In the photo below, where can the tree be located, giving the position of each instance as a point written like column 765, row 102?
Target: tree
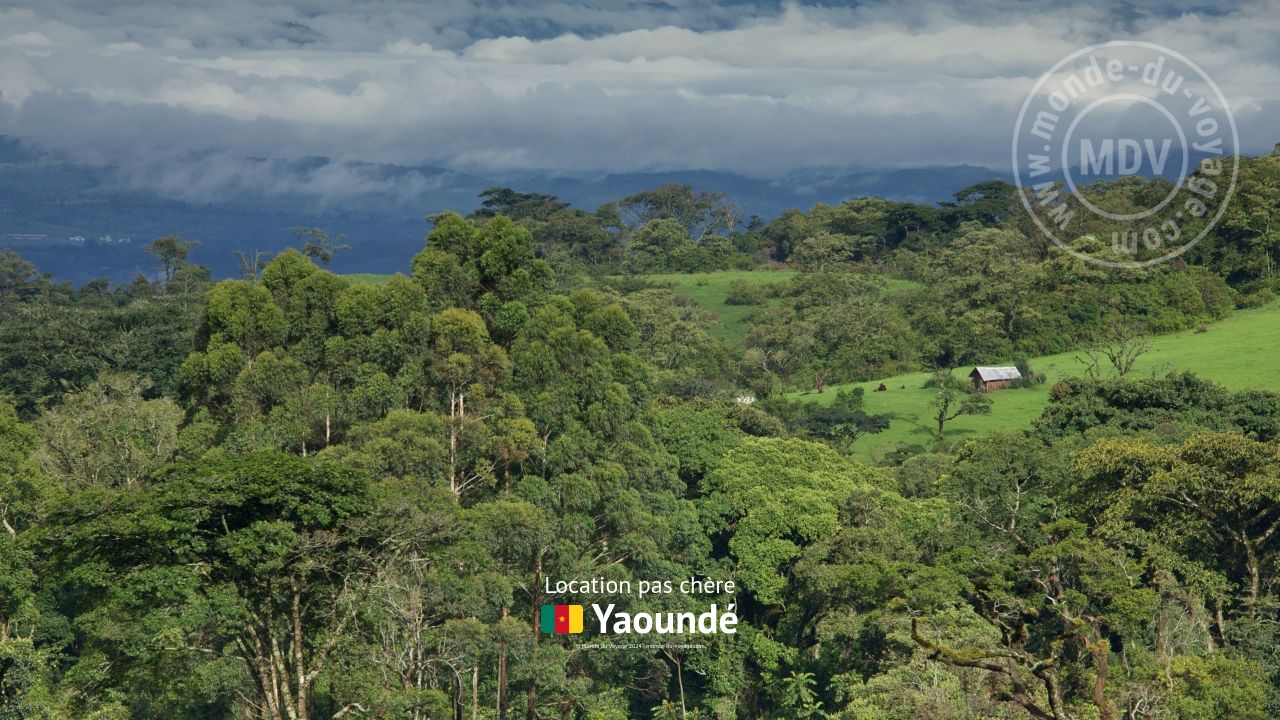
column 108, row 435
column 464, row 264
column 844, row 421
column 318, row 244
column 1212, row 498
column 951, row 402
column 1056, row 597
column 656, row 244
column 752, row 495
column 19, row 279
column 825, row 251
column 517, row 205
column 257, row 562
column 1179, row 400
column 251, row 263
column 244, row 313
column 466, row 363
column 698, row 212
column 24, row 669
column 1247, row 243
column 1056, row 610
column 23, row 492
column 52, row 343
column 987, row 202
column 171, row 251
column 577, row 234
column 839, row 423
column 1122, row 342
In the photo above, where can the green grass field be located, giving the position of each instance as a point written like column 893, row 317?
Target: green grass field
column 1242, row 351
column 709, row 290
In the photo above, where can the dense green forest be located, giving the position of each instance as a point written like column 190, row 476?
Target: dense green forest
column 297, row 495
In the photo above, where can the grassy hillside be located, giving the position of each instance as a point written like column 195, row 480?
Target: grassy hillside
column 1238, row 352
column 709, row 290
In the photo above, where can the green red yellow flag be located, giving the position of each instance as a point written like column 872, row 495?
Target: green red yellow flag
column 561, row 619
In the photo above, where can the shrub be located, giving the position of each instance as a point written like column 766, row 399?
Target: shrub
column 1030, row 378
column 743, row 293
column 1255, row 299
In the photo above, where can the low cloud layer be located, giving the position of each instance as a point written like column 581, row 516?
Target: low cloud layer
column 755, row 88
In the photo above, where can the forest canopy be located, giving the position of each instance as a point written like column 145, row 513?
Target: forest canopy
column 295, row 494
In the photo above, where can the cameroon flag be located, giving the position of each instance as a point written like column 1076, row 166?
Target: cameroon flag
column 561, row 619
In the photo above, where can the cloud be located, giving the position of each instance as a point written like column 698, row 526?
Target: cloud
column 757, row 88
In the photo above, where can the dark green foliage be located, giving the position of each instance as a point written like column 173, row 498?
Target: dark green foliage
column 220, row 553
column 517, row 205
column 1181, row 400
column 742, row 292
column 840, row 423
column 349, row 498
column 58, row 339
column 1030, row 378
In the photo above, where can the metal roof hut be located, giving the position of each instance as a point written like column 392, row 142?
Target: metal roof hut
column 986, row 379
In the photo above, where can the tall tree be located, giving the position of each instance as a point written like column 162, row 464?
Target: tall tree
column 319, row 245
column 698, row 212
column 954, row 400
column 171, row 251
column 108, row 435
column 256, row 562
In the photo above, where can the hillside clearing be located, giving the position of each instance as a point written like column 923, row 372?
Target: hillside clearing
column 709, row 290
column 1238, row 352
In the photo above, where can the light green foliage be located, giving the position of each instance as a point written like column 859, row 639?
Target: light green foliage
column 23, row 493
column 465, row 264
column 244, row 313
column 777, row 496
column 952, row 402
column 1207, row 688
column 404, row 444
column 24, row 692
column 1212, row 496
column 657, row 244
column 21, row 486
column 108, row 435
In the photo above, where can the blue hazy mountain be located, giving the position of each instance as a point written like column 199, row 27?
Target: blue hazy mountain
column 81, row 221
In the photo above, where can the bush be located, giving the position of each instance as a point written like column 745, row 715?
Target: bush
column 1030, row 378
column 743, row 293
column 1256, row 299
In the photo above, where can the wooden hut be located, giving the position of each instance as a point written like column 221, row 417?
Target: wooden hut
column 986, row 379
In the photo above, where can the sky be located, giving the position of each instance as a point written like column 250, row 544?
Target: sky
column 758, row 88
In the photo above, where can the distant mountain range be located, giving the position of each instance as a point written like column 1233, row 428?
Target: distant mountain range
column 82, row 221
